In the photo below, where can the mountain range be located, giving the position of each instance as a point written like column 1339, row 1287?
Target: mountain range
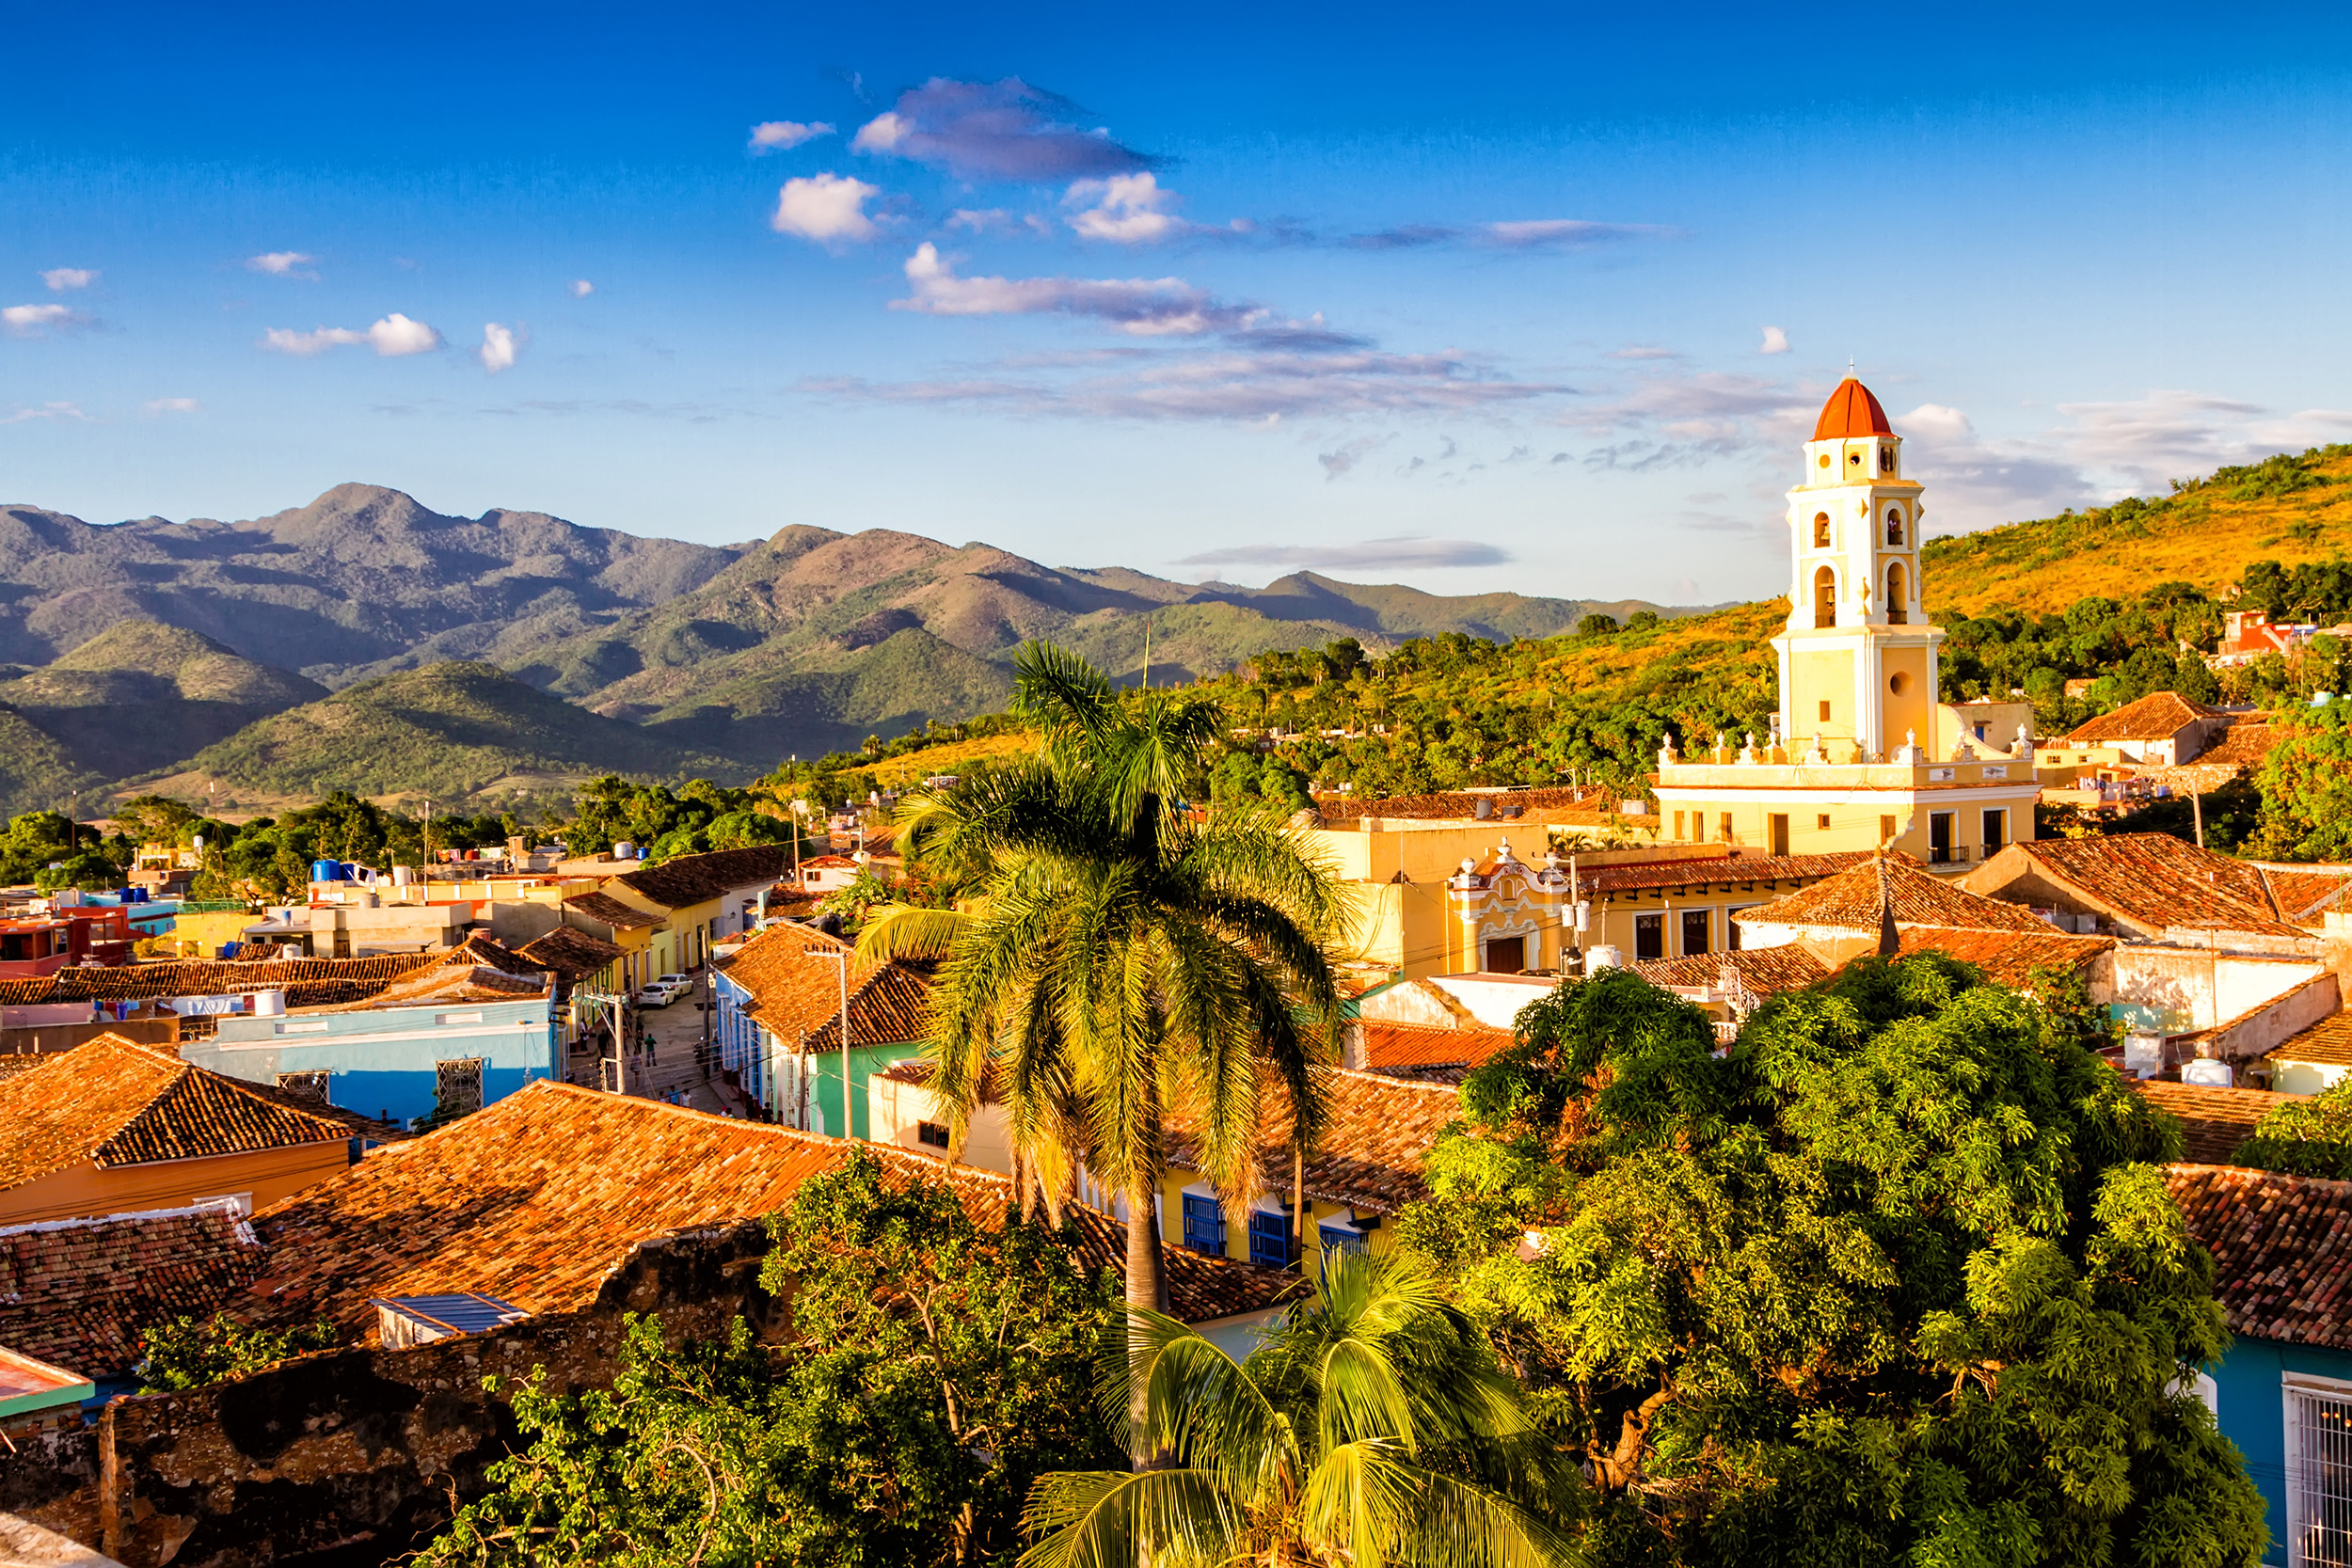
column 366, row 642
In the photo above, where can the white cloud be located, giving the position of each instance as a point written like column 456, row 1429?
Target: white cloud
column 1347, row 456
column 1125, row 209
column 1527, row 232
column 1146, row 307
column 392, row 338
column 24, row 415
column 26, row 321
column 1776, row 341
column 172, row 406
column 884, row 133
column 396, row 335
column 282, row 263
column 996, row 220
column 1404, row 552
column 285, row 340
column 1937, row 421
column 497, row 351
column 825, row 207
column 1259, row 388
column 61, row 278
column 775, row 135
column 582, row 287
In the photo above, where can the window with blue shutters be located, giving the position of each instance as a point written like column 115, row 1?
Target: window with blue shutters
column 1270, row 1240
column 1339, row 1237
column 1204, row 1223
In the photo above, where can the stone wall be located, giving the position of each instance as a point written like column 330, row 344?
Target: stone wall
column 361, row 1454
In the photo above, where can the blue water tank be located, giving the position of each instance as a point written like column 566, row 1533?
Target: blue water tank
column 135, row 895
column 326, row 871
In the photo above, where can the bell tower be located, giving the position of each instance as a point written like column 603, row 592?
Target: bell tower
column 1858, row 661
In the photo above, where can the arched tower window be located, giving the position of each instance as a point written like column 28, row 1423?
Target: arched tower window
column 1820, row 530
column 1824, row 597
column 1894, row 526
column 1887, row 460
column 1896, row 597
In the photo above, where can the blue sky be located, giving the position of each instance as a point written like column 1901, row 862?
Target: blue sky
column 1539, row 299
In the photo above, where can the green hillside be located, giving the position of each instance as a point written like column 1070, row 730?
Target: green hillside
column 36, row 772
column 451, row 730
column 142, row 695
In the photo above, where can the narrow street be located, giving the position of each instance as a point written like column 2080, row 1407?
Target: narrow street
column 672, row 1070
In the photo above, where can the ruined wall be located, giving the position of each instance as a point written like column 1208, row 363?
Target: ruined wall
column 366, row 1451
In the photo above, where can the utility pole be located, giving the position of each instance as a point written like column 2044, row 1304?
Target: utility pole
column 848, row 1116
column 2197, row 810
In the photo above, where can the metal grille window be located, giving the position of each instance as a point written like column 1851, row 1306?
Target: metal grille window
column 304, row 1086
column 930, row 1135
column 2319, row 1474
column 1270, row 1240
column 1204, row 1223
column 1339, row 1237
column 457, row 1087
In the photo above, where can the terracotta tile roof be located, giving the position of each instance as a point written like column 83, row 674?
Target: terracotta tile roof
column 80, row 1292
column 795, row 985
column 688, row 880
column 828, row 863
column 2302, row 892
column 570, row 952
column 1395, row 1048
column 486, row 951
column 1851, row 901
column 1704, row 870
column 2281, row 1249
column 1525, row 805
column 1368, row 1156
column 2158, row 716
column 452, row 982
column 2158, row 881
column 19, row 1061
column 1763, row 971
column 133, row 982
column 2327, row 1043
column 2213, row 1121
column 2007, row 958
column 2242, row 745
column 605, row 909
column 118, row 1103
column 538, row 1198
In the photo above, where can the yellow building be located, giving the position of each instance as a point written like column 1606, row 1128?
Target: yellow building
column 1864, row 752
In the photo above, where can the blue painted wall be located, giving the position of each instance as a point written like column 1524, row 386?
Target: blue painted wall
column 2253, row 1414
column 380, row 1062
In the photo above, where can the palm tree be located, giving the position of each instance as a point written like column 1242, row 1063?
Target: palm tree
column 1374, row 1428
column 1112, row 956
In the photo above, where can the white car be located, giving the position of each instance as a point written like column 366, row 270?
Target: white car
column 682, row 984
column 655, row 995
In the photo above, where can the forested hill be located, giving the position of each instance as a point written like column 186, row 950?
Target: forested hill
column 2295, row 510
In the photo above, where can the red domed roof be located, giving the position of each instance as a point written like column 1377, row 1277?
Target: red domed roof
column 1850, row 411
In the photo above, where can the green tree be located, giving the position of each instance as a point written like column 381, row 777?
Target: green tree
column 1374, row 1426
column 190, row 1352
column 936, row 1370
column 2306, row 784
column 1894, row 1279
column 1114, row 953
column 2305, row 1136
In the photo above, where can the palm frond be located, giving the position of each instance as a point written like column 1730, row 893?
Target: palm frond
column 907, row 931
column 1105, row 1519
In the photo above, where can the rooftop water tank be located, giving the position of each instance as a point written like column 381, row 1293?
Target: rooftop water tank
column 624, row 850
column 1598, row 958
column 326, row 871
column 269, row 1004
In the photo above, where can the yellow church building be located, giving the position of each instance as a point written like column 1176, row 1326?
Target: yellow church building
column 1864, row 752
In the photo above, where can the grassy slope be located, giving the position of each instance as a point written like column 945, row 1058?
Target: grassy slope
column 36, row 772
column 452, row 729
column 2207, row 534
column 142, row 695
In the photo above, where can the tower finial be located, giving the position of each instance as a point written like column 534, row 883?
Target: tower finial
column 1850, row 365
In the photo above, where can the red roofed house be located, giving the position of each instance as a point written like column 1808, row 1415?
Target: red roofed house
column 112, row 1126
column 2281, row 1249
column 823, row 873
column 779, row 1024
